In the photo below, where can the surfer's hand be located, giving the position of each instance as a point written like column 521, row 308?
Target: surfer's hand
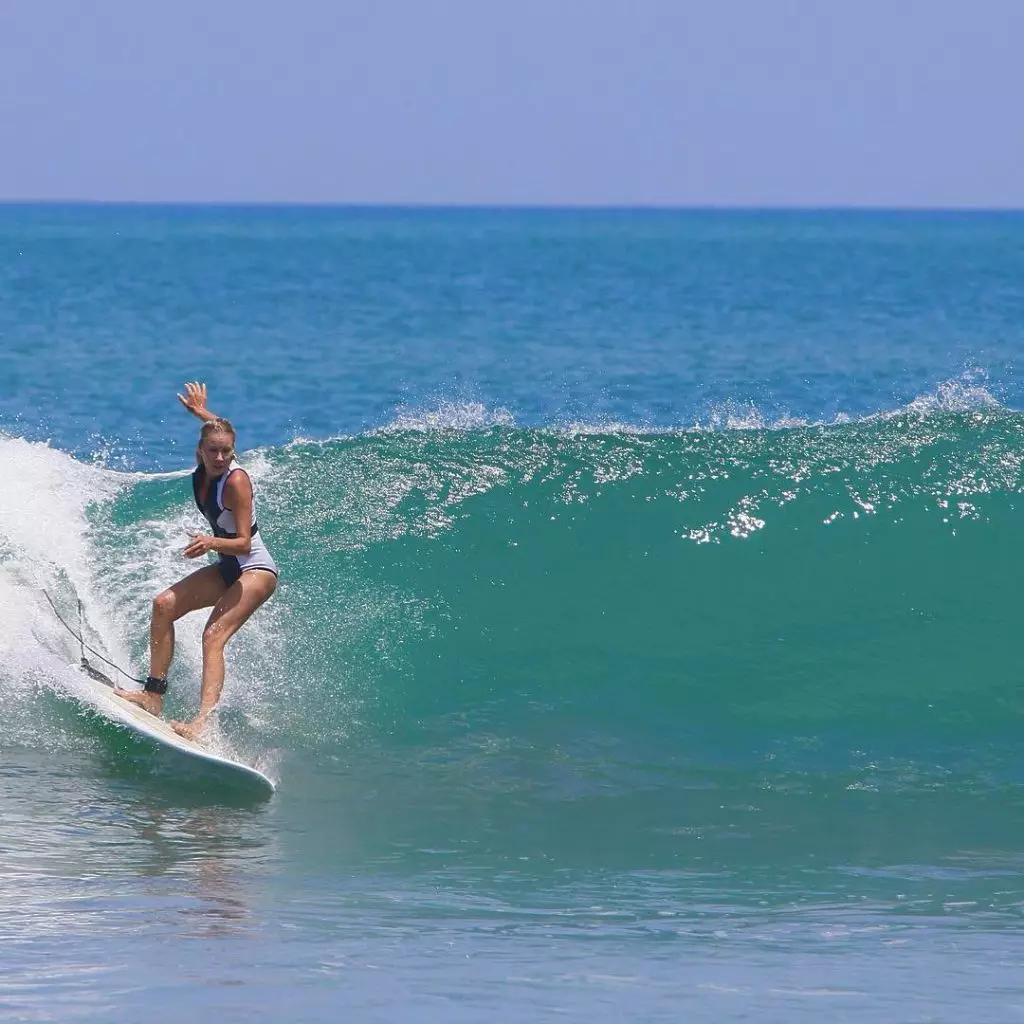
column 199, row 544
column 194, row 400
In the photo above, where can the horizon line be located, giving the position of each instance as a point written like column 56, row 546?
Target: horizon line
column 513, row 206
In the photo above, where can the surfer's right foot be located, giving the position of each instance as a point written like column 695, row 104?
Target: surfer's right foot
column 151, row 702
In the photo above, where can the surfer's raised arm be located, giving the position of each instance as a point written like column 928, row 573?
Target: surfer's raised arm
column 194, row 400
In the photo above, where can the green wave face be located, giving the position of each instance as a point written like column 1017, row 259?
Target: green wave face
column 858, row 578
column 846, row 587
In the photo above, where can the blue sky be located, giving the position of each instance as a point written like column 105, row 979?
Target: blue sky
column 647, row 102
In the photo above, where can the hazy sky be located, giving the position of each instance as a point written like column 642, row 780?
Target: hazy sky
column 664, row 102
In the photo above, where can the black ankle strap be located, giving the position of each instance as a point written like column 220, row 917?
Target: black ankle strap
column 154, row 685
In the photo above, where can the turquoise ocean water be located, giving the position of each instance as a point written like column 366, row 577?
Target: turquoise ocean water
column 648, row 641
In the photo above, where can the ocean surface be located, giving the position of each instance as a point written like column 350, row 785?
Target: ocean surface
column 648, row 644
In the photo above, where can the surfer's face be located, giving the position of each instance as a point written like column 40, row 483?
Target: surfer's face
column 216, row 451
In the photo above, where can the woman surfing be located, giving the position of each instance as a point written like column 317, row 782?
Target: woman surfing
column 243, row 577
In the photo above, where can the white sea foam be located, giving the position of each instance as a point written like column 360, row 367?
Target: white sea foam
column 451, row 416
column 58, row 536
column 45, row 498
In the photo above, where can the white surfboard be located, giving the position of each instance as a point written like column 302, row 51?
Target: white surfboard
column 100, row 691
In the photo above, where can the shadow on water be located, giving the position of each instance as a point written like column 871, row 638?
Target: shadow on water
column 202, row 857
column 105, row 832
column 99, row 863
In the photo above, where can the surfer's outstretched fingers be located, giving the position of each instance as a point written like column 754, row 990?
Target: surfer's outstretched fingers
column 200, row 589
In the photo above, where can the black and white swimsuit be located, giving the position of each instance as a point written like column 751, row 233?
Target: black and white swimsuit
column 222, row 522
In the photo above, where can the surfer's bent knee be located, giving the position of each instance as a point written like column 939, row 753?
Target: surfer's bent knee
column 163, row 605
column 214, row 636
column 270, row 579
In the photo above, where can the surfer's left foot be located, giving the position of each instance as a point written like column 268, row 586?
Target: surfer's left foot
column 151, row 702
column 191, row 730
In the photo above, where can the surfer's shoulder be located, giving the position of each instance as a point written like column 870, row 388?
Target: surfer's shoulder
column 237, row 482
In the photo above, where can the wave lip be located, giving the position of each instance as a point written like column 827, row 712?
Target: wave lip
column 449, row 416
column 969, row 392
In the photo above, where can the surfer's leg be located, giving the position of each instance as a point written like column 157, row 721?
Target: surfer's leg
column 242, row 598
column 200, row 589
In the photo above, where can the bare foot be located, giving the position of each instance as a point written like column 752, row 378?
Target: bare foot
column 151, row 702
column 191, row 730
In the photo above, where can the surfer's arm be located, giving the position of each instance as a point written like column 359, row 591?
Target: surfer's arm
column 194, row 400
column 202, row 543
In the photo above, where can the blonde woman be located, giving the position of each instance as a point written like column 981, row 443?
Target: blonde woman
column 243, row 577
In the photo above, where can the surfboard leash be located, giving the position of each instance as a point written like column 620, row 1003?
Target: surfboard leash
column 85, row 647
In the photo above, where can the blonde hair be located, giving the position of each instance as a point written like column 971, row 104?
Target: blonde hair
column 215, row 426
